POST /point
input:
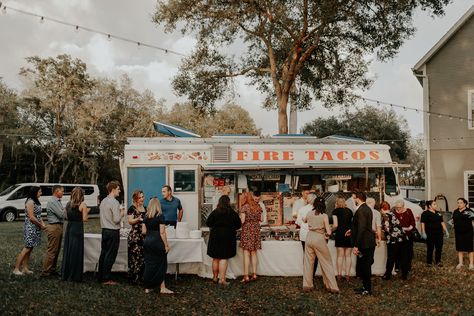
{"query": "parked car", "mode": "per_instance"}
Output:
(12, 200)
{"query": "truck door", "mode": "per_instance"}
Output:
(148, 179)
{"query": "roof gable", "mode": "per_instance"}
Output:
(452, 31)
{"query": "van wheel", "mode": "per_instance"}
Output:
(9, 215)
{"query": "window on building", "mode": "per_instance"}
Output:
(470, 109)
(469, 186)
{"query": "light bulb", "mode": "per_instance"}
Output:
(42, 20)
(109, 38)
(4, 10)
(77, 28)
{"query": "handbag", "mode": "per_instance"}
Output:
(416, 236)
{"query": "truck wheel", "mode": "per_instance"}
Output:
(9, 215)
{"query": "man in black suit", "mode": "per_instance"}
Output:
(363, 241)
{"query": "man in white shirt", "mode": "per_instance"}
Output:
(376, 220)
(257, 198)
(299, 203)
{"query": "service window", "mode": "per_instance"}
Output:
(185, 181)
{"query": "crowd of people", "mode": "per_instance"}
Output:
(357, 228)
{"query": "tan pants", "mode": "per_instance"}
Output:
(55, 236)
(316, 246)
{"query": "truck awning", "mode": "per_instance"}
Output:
(173, 130)
(253, 166)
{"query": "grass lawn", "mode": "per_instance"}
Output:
(441, 291)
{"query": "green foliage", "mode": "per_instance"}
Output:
(229, 119)
(370, 123)
(300, 50)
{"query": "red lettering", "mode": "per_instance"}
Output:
(270, 155)
(374, 155)
(358, 155)
(326, 155)
(311, 154)
(342, 155)
(288, 155)
(241, 155)
(255, 155)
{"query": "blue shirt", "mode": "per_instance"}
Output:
(170, 208)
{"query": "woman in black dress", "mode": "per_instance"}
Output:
(73, 253)
(463, 232)
(342, 219)
(223, 222)
(156, 248)
(136, 260)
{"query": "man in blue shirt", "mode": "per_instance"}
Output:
(170, 206)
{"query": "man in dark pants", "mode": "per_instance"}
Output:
(110, 217)
(363, 240)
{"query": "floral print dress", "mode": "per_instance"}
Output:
(31, 232)
(136, 259)
(250, 235)
(392, 228)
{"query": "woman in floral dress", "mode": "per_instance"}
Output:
(396, 241)
(31, 231)
(250, 216)
(136, 263)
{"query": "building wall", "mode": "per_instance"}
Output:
(451, 75)
(447, 177)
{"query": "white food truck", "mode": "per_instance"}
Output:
(197, 169)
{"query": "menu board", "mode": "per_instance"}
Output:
(273, 202)
(214, 184)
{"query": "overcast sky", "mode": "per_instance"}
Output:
(22, 36)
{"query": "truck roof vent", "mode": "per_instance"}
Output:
(221, 153)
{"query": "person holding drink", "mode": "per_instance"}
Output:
(136, 214)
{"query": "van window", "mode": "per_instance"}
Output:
(68, 189)
(21, 193)
(88, 190)
(46, 190)
(9, 189)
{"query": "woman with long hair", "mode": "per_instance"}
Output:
(73, 253)
(250, 216)
(156, 248)
(136, 259)
(342, 225)
(316, 245)
(31, 230)
(223, 222)
(463, 218)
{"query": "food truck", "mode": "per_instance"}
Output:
(197, 169)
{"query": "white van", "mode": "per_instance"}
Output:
(12, 200)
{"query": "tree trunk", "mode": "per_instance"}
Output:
(282, 114)
(47, 170)
(63, 172)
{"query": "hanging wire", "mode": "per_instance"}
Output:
(109, 36)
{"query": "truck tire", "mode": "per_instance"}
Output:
(9, 215)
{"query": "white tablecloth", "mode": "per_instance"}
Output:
(285, 258)
(182, 251)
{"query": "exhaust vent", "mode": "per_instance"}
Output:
(220, 153)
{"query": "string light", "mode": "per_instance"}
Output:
(109, 38)
(4, 10)
(91, 30)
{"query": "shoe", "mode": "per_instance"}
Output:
(348, 278)
(27, 272)
(429, 265)
(471, 267)
(166, 291)
(17, 272)
(215, 279)
(223, 283)
(110, 283)
(339, 277)
(245, 279)
(439, 264)
(254, 277)
(394, 273)
(365, 293)
(459, 266)
(148, 291)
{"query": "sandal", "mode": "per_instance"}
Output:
(223, 283)
(215, 280)
(148, 291)
(254, 277)
(166, 291)
(245, 279)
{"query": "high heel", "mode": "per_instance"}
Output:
(254, 277)
(245, 279)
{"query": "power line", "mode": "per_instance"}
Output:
(78, 27)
